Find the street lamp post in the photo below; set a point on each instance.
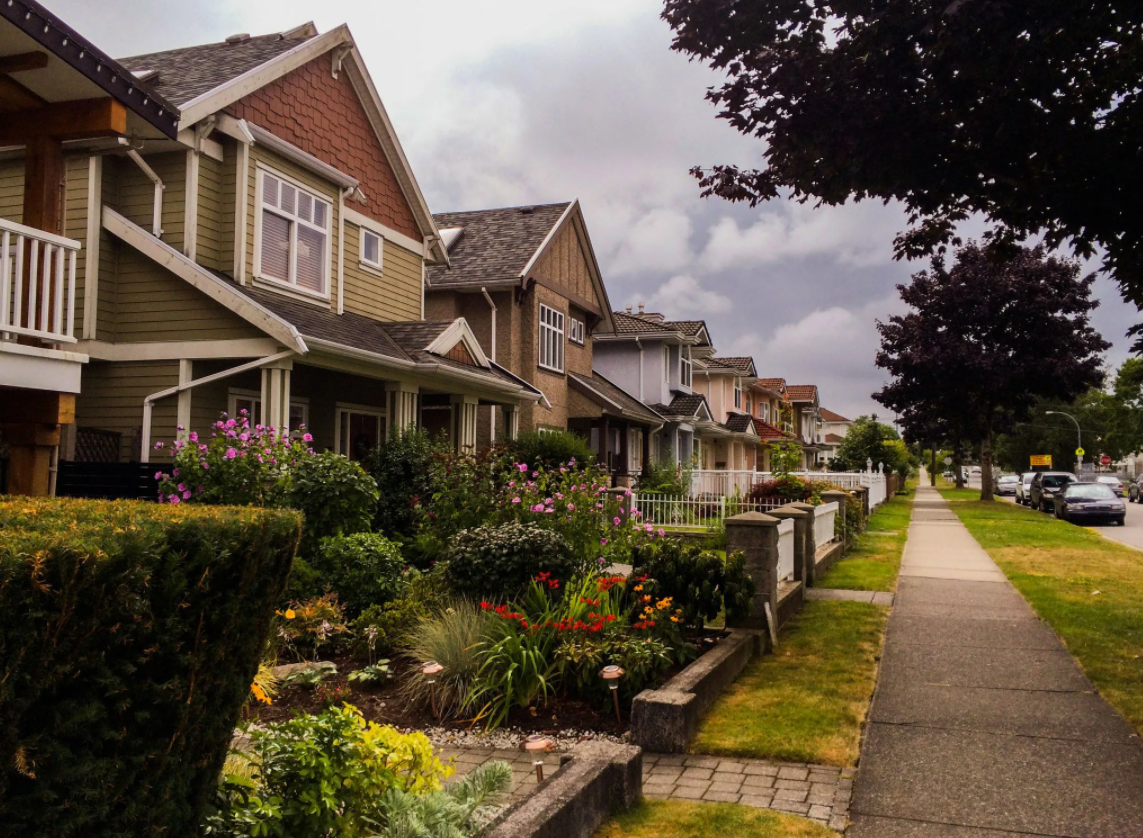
(1079, 434)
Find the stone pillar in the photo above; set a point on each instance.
(862, 493)
(811, 541)
(840, 497)
(803, 522)
(756, 536)
(401, 406)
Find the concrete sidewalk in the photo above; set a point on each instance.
(983, 724)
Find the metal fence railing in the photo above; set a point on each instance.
(680, 511)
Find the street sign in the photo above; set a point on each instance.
(1105, 460)
(1042, 460)
(948, 461)
(1079, 452)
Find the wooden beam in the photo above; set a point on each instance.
(36, 407)
(43, 177)
(77, 120)
(24, 61)
(15, 97)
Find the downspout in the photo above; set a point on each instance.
(639, 343)
(149, 401)
(491, 408)
(157, 220)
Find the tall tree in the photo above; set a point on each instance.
(1027, 111)
(987, 338)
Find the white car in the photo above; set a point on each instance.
(1112, 481)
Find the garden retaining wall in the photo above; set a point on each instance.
(827, 557)
(665, 720)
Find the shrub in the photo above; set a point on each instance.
(402, 467)
(317, 776)
(334, 493)
(665, 477)
(451, 638)
(497, 561)
(385, 627)
(698, 581)
(130, 634)
(365, 569)
(457, 810)
(304, 582)
(550, 449)
(788, 489)
(306, 627)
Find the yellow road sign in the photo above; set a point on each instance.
(1042, 460)
(1079, 452)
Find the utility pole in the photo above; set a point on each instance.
(1079, 435)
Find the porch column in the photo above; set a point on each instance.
(511, 421)
(464, 422)
(276, 395)
(401, 406)
(604, 441)
(646, 449)
(624, 449)
(31, 423)
(183, 420)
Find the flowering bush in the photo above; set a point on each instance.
(700, 582)
(305, 627)
(498, 560)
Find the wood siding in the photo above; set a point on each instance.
(136, 194)
(565, 264)
(212, 186)
(75, 225)
(394, 293)
(109, 252)
(12, 190)
(228, 206)
(112, 400)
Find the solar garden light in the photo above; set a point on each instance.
(538, 743)
(431, 670)
(611, 674)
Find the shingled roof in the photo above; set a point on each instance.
(599, 389)
(829, 416)
(776, 384)
(635, 324)
(802, 392)
(744, 364)
(187, 73)
(494, 245)
(768, 431)
(739, 423)
(683, 404)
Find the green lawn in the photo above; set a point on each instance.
(808, 700)
(678, 819)
(1089, 589)
(873, 562)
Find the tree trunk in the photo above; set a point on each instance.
(986, 465)
(932, 464)
(958, 465)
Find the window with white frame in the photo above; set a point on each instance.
(371, 249)
(764, 411)
(737, 394)
(551, 339)
(359, 430)
(575, 330)
(685, 358)
(635, 450)
(293, 230)
(251, 402)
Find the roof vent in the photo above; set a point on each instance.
(239, 38)
(641, 307)
(527, 210)
(628, 309)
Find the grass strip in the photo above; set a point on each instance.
(873, 562)
(679, 819)
(1089, 589)
(808, 700)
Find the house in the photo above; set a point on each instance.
(731, 447)
(58, 92)
(653, 359)
(807, 421)
(268, 258)
(834, 428)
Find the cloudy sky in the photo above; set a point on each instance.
(511, 102)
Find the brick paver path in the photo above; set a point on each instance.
(523, 770)
(819, 792)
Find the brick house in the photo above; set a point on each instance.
(269, 257)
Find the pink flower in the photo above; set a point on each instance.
(231, 453)
(539, 507)
(603, 541)
(205, 466)
(173, 498)
(662, 532)
(307, 437)
(523, 467)
(615, 521)
(511, 483)
(182, 487)
(175, 473)
(193, 437)
(158, 475)
(647, 528)
(158, 445)
(563, 470)
(179, 428)
(186, 494)
(571, 507)
(230, 423)
(627, 494)
(244, 437)
(515, 500)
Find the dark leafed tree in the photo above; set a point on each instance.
(1027, 111)
(987, 338)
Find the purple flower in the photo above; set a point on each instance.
(182, 487)
(186, 495)
(603, 541)
(615, 521)
(307, 437)
(158, 475)
(175, 473)
(515, 500)
(158, 445)
(193, 437)
(231, 453)
(173, 498)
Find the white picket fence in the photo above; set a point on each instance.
(786, 549)
(825, 519)
(663, 510)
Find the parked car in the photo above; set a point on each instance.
(1006, 484)
(974, 470)
(1134, 490)
(1095, 501)
(1113, 482)
(1045, 484)
(1023, 486)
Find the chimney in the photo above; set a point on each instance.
(641, 307)
(239, 38)
(628, 309)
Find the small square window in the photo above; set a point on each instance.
(575, 330)
(370, 249)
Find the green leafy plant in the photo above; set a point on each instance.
(387, 627)
(305, 628)
(365, 569)
(697, 581)
(451, 638)
(497, 561)
(130, 634)
(551, 449)
(329, 693)
(317, 776)
(334, 493)
(310, 676)
(456, 811)
(403, 468)
(374, 674)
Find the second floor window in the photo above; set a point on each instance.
(575, 330)
(551, 339)
(737, 394)
(685, 360)
(370, 249)
(294, 236)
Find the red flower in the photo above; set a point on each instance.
(485, 605)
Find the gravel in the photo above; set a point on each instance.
(507, 739)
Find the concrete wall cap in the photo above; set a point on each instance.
(798, 504)
(790, 511)
(753, 519)
(835, 493)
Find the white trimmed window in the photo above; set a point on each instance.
(371, 249)
(764, 411)
(359, 430)
(551, 339)
(575, 330)
(251, 402)
(293, 233)
(635, 450)
(685, 360)
(737, 394)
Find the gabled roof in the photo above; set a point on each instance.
(834, 439)
(802, 392)
(768, 431)
(684, 405)
(743, 364)
(186, 73)
(495, 245)
(829, 416)
(613, 399)
(627, 324)
(776, 384)
(741, 423)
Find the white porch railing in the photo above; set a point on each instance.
(662, 510)
(722, 482)
(825, 517)
(37, 284)
(786, 549)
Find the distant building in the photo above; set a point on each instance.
(834, 428)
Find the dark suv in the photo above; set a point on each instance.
(1044, 487)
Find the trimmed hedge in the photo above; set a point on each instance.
(129, 636)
